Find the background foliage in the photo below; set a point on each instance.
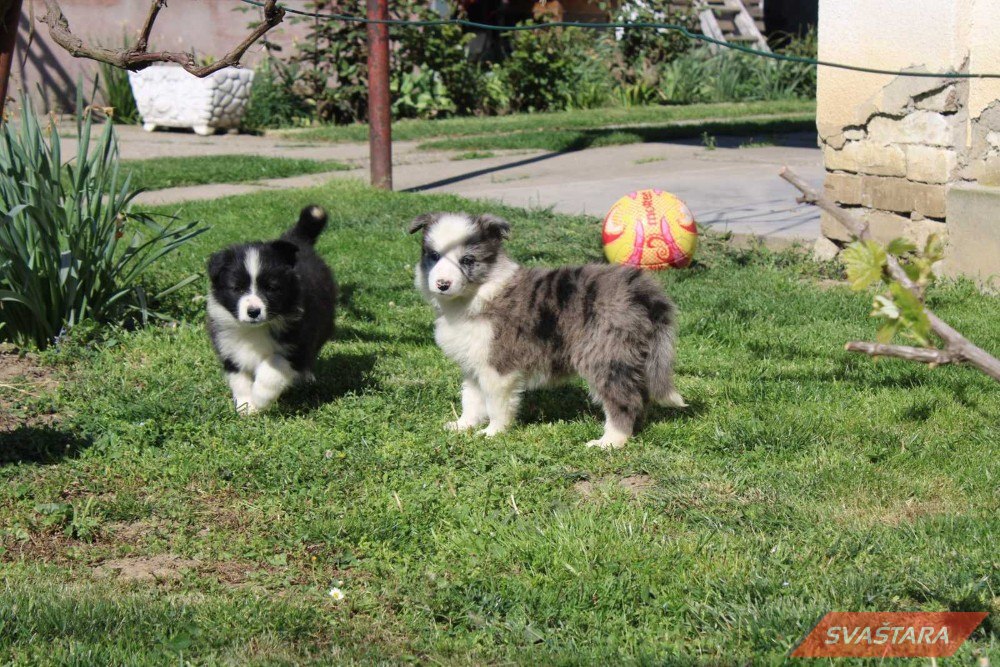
(71, 247)
(325, 78)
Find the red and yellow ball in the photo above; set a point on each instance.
(651, 229)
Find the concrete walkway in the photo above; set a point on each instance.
(730, 188)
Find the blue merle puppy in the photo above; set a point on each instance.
(511, 328)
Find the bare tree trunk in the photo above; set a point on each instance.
(11, 17)
(138, 57)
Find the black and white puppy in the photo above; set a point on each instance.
(511, 328)
(270, 309)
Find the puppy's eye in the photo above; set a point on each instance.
(468, 260)
(433, 256)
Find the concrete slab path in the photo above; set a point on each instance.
(733, 187)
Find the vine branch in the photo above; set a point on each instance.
(138, 57)
(957, 348)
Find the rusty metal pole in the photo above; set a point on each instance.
(8, 38)
(379, 104)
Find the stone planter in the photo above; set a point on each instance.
(171, 97)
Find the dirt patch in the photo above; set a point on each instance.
(898, 511)
(826, 283)
(912, 509)
(129, 532)
(54, 548)
(236, 572)
(635, 485)
(22, 378)
(166, 567)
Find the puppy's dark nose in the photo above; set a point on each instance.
(443, 285)
(253, 312)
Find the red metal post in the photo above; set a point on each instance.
(379, 104)
(8, 38)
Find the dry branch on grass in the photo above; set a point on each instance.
(138, 57)
(957, 348)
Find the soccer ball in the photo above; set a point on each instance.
(651, 229)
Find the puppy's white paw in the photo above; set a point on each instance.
(246, 409)
(606, 442)
(459, 425)
(308, 378)
(491, 430)
(673, 400)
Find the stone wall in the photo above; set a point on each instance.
(894, 146)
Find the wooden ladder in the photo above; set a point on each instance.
(736, 21)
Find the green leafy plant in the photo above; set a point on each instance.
(539, 69)
(637, 94)
(907, 273)
(71, 247)
(900, 310)
(730, 76)
(117, 92)
(441, 52)
(636, 56)
(496, 91)
(273, 101)
(427, 62)
(420, 94)
(331, 63)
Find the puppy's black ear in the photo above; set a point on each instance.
(285, 251)
(493, 225)
(422, 221)
(217, 262)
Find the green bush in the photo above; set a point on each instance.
(553, 69)
(440, 54)
(273, 102)
(805, 45)
(430, 71)
(332, 64)
(732, 76)
(636, 56)
(420, 94)
(70, 247)
(539, 69)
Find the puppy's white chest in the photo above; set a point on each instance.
(247, 347)
(466, 341)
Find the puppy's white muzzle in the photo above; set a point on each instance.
(446, 279)
(251, 309)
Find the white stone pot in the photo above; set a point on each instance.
(171, 97)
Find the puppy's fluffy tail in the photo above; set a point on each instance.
(660, 367)
(312, 221)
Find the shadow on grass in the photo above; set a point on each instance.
(563, 403)
(570, 402)
(336, 376)
(346, 303)
(40, 444)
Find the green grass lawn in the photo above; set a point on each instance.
(580, 119)
(802, 479)
(171, 172)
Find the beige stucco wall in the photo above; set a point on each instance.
(210, 27)
(885, 34)
(895, 146)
